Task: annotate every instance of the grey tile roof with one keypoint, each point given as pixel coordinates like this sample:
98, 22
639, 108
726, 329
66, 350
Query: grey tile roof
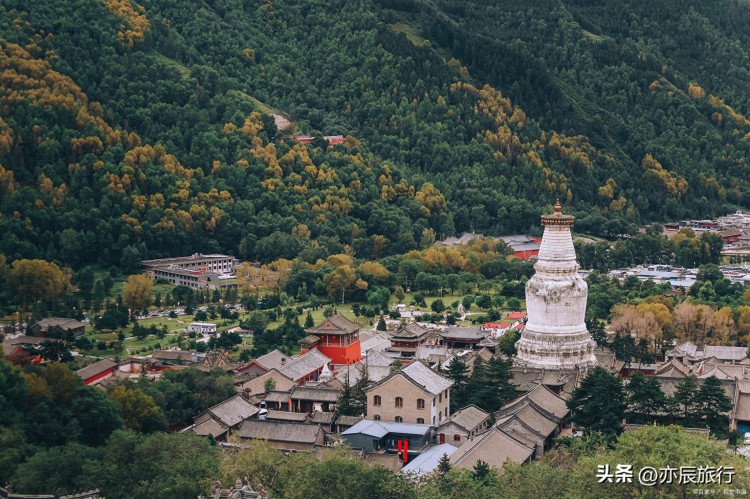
275, 396
468, 418
725, 353
424, 352
672, 368
337, 324
422, 376
175, 355
273, 359
526, 379
325, 418
279, 432
411, 330
376, 358
374, 373
348, 420
63, 323
494, 447
464, 333
530, 416
305, 364
233, 411
686, 348
297, 417
257, 385
543, 397
95, 368
209, 427
378, 342
316, 394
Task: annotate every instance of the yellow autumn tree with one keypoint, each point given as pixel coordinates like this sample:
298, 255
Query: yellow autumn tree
34, 280
136, 292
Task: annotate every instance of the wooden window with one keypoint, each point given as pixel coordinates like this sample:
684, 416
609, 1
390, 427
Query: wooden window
399, 402
376, 400
420, 420
399, 419
420, 403
456, 437
376, 417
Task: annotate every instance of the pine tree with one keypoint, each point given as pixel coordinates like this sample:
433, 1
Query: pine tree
596, 330
381, 324
711, 402
481, 470
359, 395
309, 321
684, 395
499, 378
346, 405
645, 398
599, 403
458, 373
444, 465
479, 388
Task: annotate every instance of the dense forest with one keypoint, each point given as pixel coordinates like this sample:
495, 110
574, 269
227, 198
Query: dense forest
142, 129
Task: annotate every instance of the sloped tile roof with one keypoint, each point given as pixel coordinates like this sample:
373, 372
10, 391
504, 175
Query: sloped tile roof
464, 333
233, 411
725, 353
316, 394
337, 324
277, 396
279, 431
209, 427
297, 417
273, 359
426, 377
257, 385
95, 369
411, 330
305, 364
494, 447
469, 417
543, 397
321, 418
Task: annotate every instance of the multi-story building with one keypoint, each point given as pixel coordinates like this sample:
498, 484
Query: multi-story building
337, 338
407, 338
415, 394
196, 271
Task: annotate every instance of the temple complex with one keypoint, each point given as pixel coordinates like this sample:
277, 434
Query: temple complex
555, 336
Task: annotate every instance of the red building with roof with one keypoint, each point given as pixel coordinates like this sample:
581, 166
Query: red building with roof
337, 338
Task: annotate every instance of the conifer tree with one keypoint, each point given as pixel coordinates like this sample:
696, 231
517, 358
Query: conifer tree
645, 398
458, 373
684, 396
381, 325
599, 403
711, 403
444, 465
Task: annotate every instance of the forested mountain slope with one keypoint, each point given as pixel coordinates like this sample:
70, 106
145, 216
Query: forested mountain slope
135, 130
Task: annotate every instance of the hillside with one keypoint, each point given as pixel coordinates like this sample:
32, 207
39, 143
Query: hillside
134, 130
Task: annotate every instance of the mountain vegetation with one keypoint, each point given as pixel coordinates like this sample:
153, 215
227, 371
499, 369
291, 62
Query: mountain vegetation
143, 129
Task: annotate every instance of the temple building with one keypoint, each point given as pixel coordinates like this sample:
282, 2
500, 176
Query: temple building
555, 336
407, 338
337, 338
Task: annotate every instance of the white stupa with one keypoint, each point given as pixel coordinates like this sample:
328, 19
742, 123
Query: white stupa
555, 336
